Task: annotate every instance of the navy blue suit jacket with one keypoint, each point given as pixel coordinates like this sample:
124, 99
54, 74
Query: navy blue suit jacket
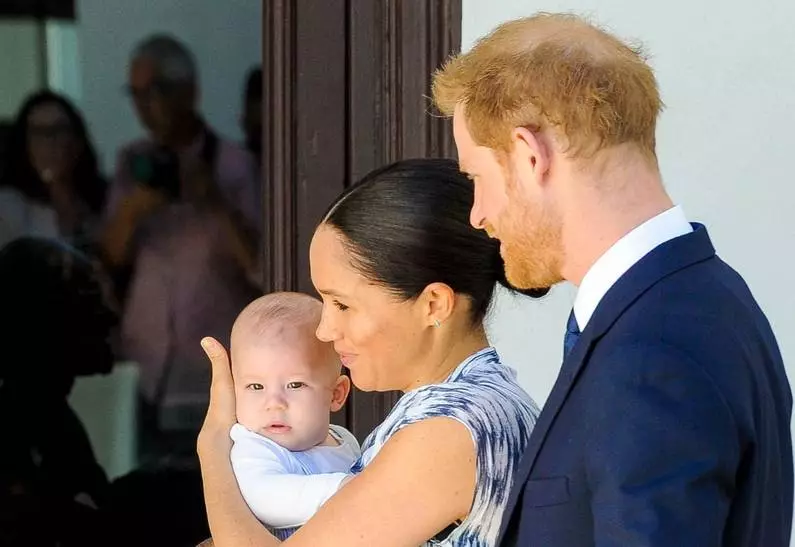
669, 424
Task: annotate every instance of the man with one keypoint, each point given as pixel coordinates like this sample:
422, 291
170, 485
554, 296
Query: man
182, 220
669, 421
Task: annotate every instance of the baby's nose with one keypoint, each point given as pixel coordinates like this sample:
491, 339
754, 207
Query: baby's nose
275, 401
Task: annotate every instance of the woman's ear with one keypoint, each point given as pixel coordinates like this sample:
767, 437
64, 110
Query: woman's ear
437, 303
339, 393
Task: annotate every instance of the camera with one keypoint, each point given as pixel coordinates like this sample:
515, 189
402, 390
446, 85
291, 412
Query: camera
158, 169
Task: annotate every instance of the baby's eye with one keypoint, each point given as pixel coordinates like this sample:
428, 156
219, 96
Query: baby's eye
255, 387
296, 385
340, 306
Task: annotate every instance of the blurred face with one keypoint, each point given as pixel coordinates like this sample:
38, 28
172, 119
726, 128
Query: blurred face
517, 212
86, 316
58, 297
381, 339
159, 106
285, 388
252, 124
53, 146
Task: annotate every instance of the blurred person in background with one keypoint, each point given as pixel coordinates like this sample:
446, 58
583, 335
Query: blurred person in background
50, 184
55, 325
180, 238
251, 119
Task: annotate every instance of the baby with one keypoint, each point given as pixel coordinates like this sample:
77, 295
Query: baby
287, 458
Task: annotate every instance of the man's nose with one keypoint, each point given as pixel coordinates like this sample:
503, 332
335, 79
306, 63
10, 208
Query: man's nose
477, 217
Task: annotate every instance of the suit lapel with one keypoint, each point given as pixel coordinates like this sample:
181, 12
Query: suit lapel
661, 262
568, 373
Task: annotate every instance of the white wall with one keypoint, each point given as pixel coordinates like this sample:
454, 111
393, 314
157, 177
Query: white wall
725, 144
25, 45
20, 64
107, 405
63, 58
223, 35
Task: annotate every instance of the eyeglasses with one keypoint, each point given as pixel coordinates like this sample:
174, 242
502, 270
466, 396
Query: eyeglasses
145, 94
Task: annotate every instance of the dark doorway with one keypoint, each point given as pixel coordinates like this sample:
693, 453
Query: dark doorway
64, 9
346, 86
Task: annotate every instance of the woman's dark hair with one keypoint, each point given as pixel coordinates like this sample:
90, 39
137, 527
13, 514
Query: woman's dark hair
406, 226
253, 90
17, 171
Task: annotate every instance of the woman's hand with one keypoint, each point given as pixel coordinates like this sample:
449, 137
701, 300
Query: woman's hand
422, 480
231, 522
214, 434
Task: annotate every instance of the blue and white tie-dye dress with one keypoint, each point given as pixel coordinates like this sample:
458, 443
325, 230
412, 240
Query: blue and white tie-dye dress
482, 394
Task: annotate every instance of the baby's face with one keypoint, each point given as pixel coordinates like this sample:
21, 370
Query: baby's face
284, 391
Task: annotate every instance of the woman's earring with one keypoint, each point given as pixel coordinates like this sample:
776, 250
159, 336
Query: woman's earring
437, 323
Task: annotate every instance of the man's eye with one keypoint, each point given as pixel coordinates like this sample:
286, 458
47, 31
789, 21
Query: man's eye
340, 305
296, 385
255, 387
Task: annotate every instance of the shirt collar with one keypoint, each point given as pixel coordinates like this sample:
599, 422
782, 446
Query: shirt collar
624, 254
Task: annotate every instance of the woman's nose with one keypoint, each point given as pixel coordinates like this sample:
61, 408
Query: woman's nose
326, 331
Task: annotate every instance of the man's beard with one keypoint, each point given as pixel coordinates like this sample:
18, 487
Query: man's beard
531, 242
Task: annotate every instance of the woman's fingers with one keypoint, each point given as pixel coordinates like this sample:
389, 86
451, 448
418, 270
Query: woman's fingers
221, 410
219, 360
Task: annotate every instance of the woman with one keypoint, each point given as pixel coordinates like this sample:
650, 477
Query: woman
406, 283
50, 185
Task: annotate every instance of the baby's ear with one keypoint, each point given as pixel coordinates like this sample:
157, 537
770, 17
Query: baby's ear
340, 392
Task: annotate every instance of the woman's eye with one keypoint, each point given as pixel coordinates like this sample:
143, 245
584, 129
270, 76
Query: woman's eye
255, 387
295, 385
340, 305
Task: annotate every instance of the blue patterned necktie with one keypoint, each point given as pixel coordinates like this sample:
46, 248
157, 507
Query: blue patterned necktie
572, 334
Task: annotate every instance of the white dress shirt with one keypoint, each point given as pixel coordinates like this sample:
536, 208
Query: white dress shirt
625, 253
283, 488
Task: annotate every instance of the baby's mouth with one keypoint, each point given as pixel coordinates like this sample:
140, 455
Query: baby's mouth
277, 428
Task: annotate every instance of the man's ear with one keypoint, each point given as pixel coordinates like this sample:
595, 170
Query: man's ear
531, 154
340, 392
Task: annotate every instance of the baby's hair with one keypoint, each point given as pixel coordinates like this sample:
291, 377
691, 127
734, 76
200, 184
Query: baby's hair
281, 317
270, 313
